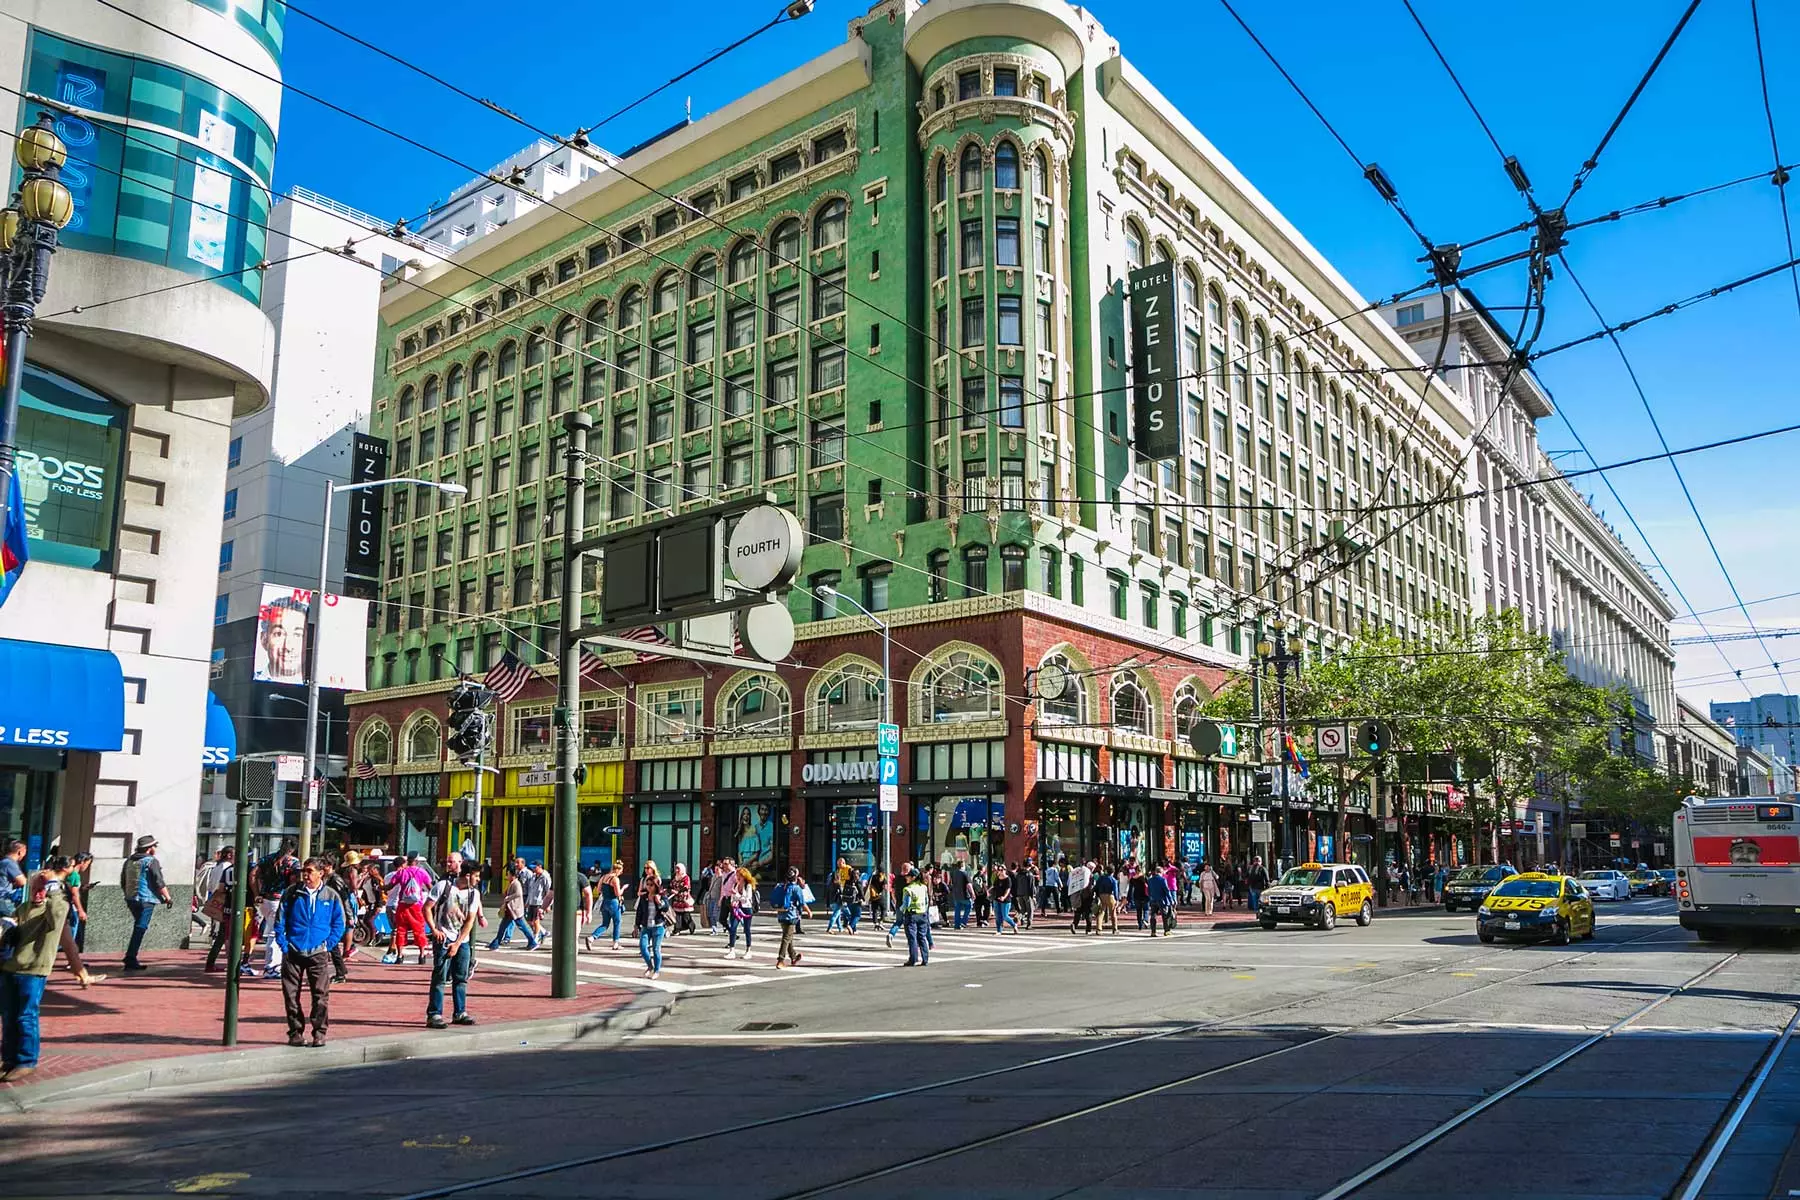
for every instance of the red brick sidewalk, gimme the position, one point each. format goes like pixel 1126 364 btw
pixel 175 1008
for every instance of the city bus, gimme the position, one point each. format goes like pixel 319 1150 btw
pixel 1737 864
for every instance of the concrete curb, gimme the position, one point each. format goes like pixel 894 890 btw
pixel 126 1078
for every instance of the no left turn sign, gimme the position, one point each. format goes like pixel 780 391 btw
pixel 1334 741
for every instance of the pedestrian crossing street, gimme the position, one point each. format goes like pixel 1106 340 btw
pixel 696 963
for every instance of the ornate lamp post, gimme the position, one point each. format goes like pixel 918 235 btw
pixel 28 227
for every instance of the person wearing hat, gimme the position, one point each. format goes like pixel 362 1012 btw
pixel 141 880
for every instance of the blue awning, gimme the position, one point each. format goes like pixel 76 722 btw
pixel 60 697
pixel 220 746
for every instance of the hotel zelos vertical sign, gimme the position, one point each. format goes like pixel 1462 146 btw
pixel 1155 362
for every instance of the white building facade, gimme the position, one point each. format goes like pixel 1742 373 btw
pixel 322 304
pixel 1536 545
pixel 544 168
pixel 150 342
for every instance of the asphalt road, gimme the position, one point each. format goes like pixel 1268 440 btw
pixel 1230 1063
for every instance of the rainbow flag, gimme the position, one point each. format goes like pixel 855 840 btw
pixel 1290 751
pixel 13 551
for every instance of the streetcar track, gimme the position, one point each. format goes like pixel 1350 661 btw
pixel 1431 1136
pixel 917 1089
pixel 1693 1180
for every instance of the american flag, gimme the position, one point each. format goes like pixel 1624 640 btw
pixel 651 634
pixel 364 769
pixel 508 677
pixel 588 663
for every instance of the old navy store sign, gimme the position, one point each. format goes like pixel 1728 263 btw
pixel 60 697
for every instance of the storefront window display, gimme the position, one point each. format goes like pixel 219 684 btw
pixel 965 831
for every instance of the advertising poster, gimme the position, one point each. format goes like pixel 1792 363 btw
pixel 343 644
pixel 753 838
pixel 281 639
pixel 281 635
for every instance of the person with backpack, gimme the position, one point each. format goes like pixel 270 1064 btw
pixel 512 914
pixel 222 902
pixel 338 880
pixel 451 914
pixel 267 882
pixel 410 885
pixel 915 908
pixel 309 923
pixel 739 905
pixel 852 892
pixel 141 879
pixel 790 904
pixel 1160 901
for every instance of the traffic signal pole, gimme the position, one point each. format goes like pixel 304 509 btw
pixel 565 935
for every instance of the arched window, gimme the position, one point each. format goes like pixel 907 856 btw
pixel 375 745
pixel 597 315
pixel 1237 326
pixel 1130 706
pixel 1069 705
pixel 534 348
pixel 830 224
pixel 756 704
pixel 784 243
pixel 1281 362
pixel 480 372
pixel 1215 309
pixel 428 395
pixel 1006 166
pixel 1188 699
pixel 667 293
pixel 848 698
pixel 968 176
pixel 940 188
pixel 422 741
pixel 1134 244
pixel 483 310
pixel 631 307
pixel 407 400
pixel 455 383
pixel 564 341
pixel 1190 289
pixel 742 263
pixel 509 360
pixel 964 686
pixel 1040 172
pixel 703 276
pixel 1259 341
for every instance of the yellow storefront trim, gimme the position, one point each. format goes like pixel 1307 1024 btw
pixel 605 785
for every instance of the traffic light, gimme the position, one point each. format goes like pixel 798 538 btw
pixel 471 729
pixel 1265 785
pixel 1374 737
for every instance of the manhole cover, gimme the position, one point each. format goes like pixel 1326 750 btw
pixel 764 1026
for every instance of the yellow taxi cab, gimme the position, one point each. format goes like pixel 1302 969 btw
pixel 1536 905
pixel 1318 894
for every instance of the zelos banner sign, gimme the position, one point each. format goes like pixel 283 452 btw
pixel 1155 362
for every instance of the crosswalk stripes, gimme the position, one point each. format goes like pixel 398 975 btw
pixel 696 962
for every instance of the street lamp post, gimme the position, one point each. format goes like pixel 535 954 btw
pixel 826 592
pixel 28 227
pixel 1276 654
pixel 313 613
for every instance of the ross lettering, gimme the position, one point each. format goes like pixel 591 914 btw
pixel 215 756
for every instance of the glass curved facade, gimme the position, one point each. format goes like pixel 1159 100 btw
pixel 71 460
pixel 264 20
pixel 185 186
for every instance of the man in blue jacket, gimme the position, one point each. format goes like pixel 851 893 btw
pixel 310 921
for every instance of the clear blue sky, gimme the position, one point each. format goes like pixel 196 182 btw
pixel 1548 75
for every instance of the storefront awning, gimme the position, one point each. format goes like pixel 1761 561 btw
pixel 60 697
pixel 351 821
pixel 220 746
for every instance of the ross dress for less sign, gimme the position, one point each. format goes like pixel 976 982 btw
pixel 1155 362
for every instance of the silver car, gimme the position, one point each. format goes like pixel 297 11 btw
pixel 1607 885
